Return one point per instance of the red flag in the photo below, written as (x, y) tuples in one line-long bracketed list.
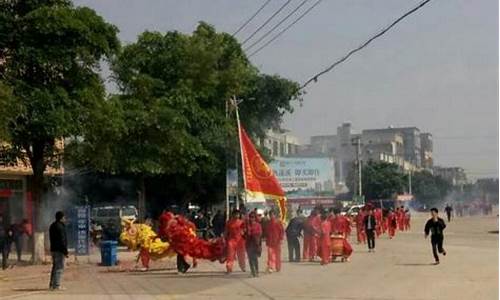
[(258, 177)]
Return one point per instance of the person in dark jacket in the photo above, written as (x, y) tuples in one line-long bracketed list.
[(293, 232), (59, 250), (435, 226), (6, 239), (17, 230), (219, 223), (370, 224)]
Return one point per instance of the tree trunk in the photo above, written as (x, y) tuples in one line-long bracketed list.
[(142, 199), (38, 166)]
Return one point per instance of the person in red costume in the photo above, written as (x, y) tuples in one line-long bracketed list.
[(401, 219), (377, 212), (360, 230), (341, 225), (392, 223), (324, 244), (253, 238), (385, 220), (274, 237), (407, 219), (234, 237), (312, 230)]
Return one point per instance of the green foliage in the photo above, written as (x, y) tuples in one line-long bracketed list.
[(382, 180), (429, 189), (172, 106), (50, 89)]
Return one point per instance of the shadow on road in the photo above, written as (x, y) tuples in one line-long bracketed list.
[(415, 264), (30, 289), (193, 274)]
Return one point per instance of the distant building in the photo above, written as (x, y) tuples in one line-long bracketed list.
[(411, 142), (339, 147), (426, 149), (454, 175), (280, 143), (378, 144)]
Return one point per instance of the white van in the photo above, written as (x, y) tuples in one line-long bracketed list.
[(114, 214)]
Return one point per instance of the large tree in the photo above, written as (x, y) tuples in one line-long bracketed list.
[(380, 180), (173, 93), (429, 189), (49, 71)]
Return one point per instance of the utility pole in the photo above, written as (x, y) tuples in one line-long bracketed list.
[(409, 182), (357, 142)]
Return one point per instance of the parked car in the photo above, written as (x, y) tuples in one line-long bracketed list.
[(110, 219), (352, 210)]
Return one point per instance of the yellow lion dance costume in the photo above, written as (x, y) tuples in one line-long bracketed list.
[(142, 237)]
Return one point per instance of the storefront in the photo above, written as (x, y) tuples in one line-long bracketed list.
[(14, 204)]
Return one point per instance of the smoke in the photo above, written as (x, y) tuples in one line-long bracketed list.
[(59, 198)]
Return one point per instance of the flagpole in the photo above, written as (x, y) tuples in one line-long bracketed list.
[(227, 168), (241, 150)]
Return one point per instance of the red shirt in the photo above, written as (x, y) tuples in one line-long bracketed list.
[(311, 227), (359, 219), (326, 228), (235, 229), (341, 224), (253, 234), (274, 232), (391, 217)]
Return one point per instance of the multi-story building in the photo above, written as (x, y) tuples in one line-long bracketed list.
[(454, 175), (340, 147), (402, 146), (411, 142), (281, 143), (426, 149), (376, 142)]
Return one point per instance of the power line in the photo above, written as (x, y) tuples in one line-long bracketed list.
[(277, 25), (285, 29), (251, 18), (315, 77), (266, 22)]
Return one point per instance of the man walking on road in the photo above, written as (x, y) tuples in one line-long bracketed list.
[(235, 228), (6, 238), (324, 244), (274, 236), (370, 223), (59, 250), (293, 232), (253, 239), (448, 209), (435, 226)]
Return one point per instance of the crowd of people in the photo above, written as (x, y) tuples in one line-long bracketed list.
[(325, 235)]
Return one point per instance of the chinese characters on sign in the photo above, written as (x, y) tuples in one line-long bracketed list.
[(82, 230), (305, 177)]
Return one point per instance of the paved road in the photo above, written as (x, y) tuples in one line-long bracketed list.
[(400, 269)]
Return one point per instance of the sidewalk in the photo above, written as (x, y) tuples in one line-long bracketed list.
[(23, 279)]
